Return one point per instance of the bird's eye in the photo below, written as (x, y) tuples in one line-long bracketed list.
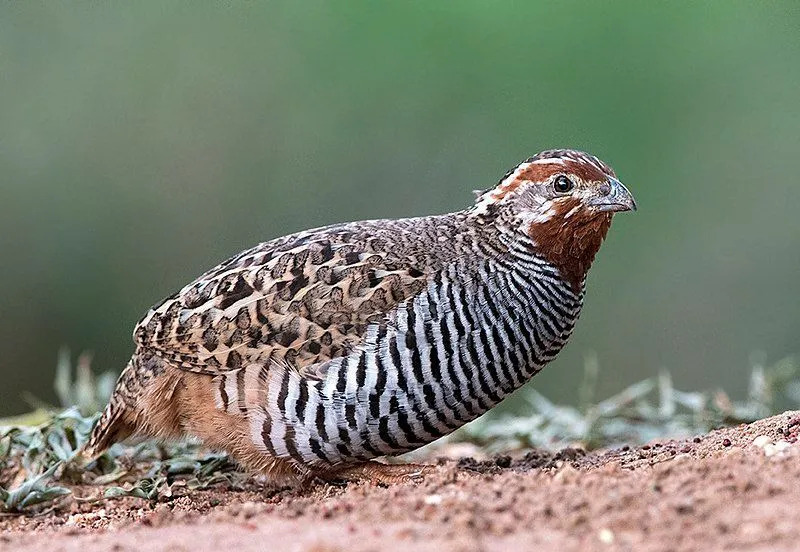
[(563, 184)]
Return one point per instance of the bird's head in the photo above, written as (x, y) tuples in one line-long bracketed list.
[(563, 201)]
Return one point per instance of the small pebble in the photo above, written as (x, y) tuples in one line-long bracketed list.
[(606, 536), (773, 449), (503, 461), (433, 500), (761, 441)]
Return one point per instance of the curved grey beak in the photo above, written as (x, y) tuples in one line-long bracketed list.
[(619, 198)]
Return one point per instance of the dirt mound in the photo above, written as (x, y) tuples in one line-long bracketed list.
[(736, 488)]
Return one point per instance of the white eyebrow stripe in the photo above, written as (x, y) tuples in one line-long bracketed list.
[(548, 161), (489, 197), (513, 176)]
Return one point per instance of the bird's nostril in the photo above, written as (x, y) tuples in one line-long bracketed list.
[(605, 188)]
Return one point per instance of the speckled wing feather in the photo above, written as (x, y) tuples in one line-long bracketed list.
[(300, 299)]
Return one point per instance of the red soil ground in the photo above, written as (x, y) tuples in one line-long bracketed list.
[(719, 491)]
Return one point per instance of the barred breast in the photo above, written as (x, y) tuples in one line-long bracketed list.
[(438, 361)]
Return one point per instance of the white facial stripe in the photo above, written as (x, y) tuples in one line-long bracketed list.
[(539, 218), (548, 161), (499, 192), (543, 213), (513, 176), (482, 205), (489, 198)]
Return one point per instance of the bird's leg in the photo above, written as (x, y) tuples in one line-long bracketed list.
[(378, 473)]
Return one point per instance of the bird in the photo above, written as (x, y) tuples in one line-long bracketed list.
[(316, 354)]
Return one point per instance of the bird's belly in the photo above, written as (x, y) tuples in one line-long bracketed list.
[(439, 363)]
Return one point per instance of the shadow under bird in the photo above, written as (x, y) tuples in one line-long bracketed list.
[(312, 354)]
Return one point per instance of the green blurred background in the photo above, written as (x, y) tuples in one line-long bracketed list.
[(141, 143)]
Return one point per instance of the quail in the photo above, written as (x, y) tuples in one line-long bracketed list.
[(312, 354)]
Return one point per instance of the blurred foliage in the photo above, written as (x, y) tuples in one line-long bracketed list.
[(647, 410), (144, 142), (41, 464), (81, 388), (40, 450)]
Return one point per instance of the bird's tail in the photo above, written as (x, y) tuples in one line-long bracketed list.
[(117, 420)]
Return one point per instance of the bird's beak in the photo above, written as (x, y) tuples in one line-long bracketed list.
[(619, 198)]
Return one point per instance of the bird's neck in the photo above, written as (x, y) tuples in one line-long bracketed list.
[(568, 243)]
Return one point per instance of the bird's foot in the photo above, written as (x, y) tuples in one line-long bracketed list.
[(378, 473)]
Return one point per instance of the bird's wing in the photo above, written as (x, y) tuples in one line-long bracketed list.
[(302, 299)]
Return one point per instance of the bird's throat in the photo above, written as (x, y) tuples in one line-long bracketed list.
[(570, 242)]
